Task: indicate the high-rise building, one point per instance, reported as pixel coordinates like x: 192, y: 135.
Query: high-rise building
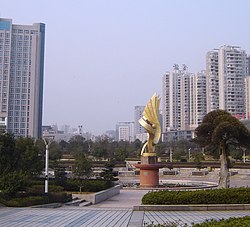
x: 200, y: 97
x: 125, y: 131
x: 139, y: 131
x: 137, y: 115
x: 183, y: 100
x: 226, y: 73
x: 212, y: 70
x: 177, y: 100
x: 21, y: 77
x: 247, y: 97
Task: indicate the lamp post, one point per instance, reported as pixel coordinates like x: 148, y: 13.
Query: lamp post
x: 189, y: 154
x: 171, y: 155
x: 244, y: 155
x: 47, y: 142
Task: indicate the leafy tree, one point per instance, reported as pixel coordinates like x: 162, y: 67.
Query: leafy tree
x: 9, y: 155
x: 108, y: 173
x: 104, y: 148
x: 12, y: 182
x: 19, y: 155
x: 30, y: 160
x: 120, y: 154
x: 82, y: 167
x: 55, y: 152
x: 220, y: 131
x: 63, y: 145
x: 60, y: 175
x: 78, y: 145
x: 20, y: 159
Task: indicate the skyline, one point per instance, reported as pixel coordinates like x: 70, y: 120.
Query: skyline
x: 97, y: 53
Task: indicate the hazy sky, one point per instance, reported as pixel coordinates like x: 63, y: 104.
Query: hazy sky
x: 104, y: 57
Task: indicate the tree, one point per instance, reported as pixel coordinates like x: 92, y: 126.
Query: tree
x: 78, y: 144
x: 19, y: 154
x: 30, y: 159
x: 82, y: 167
x: 220, y: 131
x: 20, y: 159
x: 13, y: 182
x: 9, y: 155
x: 108, y: 173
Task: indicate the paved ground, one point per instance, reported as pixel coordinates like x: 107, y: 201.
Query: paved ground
x: 114, y: 212
x: 104, y: 217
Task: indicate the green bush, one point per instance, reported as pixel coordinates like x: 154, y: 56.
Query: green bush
x: 70, y: 185
x: 39, y: 189
x: 59, y: 197
x: 231, y: 222
x: 215, y: 196
x: 95, y: 185
x: 13, y: 182
x: 86, y: 185
x: 27, y: 201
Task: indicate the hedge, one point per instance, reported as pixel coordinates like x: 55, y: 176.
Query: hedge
x: 231, y: 222
x: 86, y: 185
x: 214, y: 196
x: 26, y: 199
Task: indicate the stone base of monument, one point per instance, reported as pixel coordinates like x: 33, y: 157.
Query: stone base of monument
x: 149, y: 171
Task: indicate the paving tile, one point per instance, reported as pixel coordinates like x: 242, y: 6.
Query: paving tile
x: 104, y: 217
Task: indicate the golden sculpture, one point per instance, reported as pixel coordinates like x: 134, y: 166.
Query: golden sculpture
x: 150, y: 121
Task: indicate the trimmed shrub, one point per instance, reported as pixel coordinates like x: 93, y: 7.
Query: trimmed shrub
x: 231, y: 222
x: 95, y: 185
x: 27, y: 201
x: 86, y: 185
x: 59, y: 197
x: 215, y: 196
x: 39, y: 189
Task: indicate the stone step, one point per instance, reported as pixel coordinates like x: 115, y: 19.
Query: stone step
x: 75, y: 202
x: 86, y: 203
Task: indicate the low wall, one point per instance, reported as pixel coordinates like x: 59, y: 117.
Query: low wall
x: 99, y: 196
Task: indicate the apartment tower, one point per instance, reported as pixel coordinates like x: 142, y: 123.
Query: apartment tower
x: 21, y: 77
x: 183, y: 100
x: 226, y: 73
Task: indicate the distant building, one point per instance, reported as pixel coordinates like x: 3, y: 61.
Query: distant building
x: 183, y: 100
x: 21, y: 77
x: 111, y: 134
x: 247, y: 97
x: 188, y: 97
x: 226, y: 73
x: 138, y: 111
x: 141, y: 136
x: 178, y: 135
x: 139, y: 131
x: 49, y: 131
x: 125, y: 131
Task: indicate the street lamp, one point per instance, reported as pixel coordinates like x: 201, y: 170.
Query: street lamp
x: 244, y: 155
x: 171, y: 155
x: 189, y: 154
x: 47, y: 142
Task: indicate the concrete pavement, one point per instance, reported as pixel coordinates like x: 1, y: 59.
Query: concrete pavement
x: 114, y: 212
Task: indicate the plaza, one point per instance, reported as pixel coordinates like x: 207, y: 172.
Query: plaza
x: 109, y: 216
x: 116, y: 211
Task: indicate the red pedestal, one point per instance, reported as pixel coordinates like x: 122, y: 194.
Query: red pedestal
x: 149, y: 175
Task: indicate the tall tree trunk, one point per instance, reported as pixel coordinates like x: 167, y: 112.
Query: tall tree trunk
x: 224, y: 170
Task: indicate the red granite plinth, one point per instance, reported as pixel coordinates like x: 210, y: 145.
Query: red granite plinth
x: 149, y: 175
